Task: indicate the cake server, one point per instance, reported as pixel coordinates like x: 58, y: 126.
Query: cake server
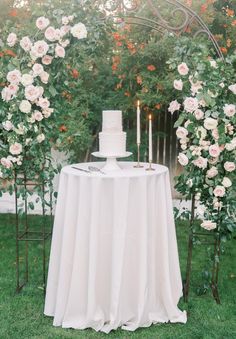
x: 95, y: 169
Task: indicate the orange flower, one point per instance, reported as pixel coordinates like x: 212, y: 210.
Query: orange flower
x: 233, y: 23
x: 75, y: 73
x: 127, y: 94
x: 158, y: 106
x: 13, y: 12
x: 151, y: 68
x: 229, y: 43
x: 229, y: 12
x: 62, y: 128
x: 139, y: 79
x: 117, y: 36
x: 10, y: 53
x: 114, y: 67
x: 203, y: 8
x: 224, y: 50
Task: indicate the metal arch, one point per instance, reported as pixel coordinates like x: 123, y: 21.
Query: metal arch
x: 129, y: 10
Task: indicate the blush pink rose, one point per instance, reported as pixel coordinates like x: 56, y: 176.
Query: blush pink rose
x: 229, y: 166
x: 6, y: 163
x: 14, y: 77
x: 174, y: 106
x: 43, y: 103
x: 64, y: 30
x: 181, y: 132
x: 13, y: 89
x: 50, y: 33
x: 208, y: 225
x: 219, y: 191
x: 59, y: 51
x: 183, y: 69
x: 44, y: 77
x: 37, y: 116
x: 42, y: 22
x: 47, y: 59
x: 232, y: 88
x: 200, y: 162
x: 191, y: 104
x: 183, y: 159
x: 32, y: 92
x: 15, y: 148
x: 178, y: 84
x: 229, y: 110
x: 199, y: 114
x: 26, y: 44
x: 215, y: 134
x: 37, y: 69
x: 212, y: 172
x: 6, y: 94
x: 11, y: 39
x: 39, y: 49
x: 214, y: 150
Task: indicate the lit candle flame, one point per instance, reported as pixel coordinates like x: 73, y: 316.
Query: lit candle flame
x: 150, y: 117
x: 138, y: 103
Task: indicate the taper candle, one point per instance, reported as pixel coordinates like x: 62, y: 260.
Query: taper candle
x: 150, y: 138
x: 138, y: 122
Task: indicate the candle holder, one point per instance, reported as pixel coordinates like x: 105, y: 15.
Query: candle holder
x: 150, y: 168
x: 138, y: 163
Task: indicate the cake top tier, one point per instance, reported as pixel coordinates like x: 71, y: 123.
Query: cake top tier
x: 112, y: 121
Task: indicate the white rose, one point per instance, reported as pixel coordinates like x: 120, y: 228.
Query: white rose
x: 213, y: 64
x: 39, y: 49
x: 200, y: 162
x: 42, y: 23
x: 59, y: 51
x: 14, y: 76
x: 219, y: 191
x: 229, y: 110
x: 27, y: 79
x: 25, y: 106
x: 26, y: 43
x: 183, y: 69
x: 208, y: 225
x: 210, y: 123
x: 79, y: 31
x: 7, y: 125
x: 32, y: 92
x: 183, y: 159
x: 232, y: 88
x: 37, y: 69
x: 28, y: 141
x: 222, y: 85
x: 11, y: 39
x: 174, y: 106
x: 50, y: 33
x: 212, y: 172
x: 181, y: 132
x: 178, y: 84
x: 40, y: 138
x: 199, y: 114
x: 229, y: 166
x: 47, y: 59
x: 6, y: 163
x: 15, y: 148
x: 44, y: 77
x: 226, y: 182
x: 190, y: 104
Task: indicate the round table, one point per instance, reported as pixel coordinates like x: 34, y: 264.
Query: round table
x: 114, y: 258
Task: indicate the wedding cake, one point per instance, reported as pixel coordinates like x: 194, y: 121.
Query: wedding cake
x: 112, y: 139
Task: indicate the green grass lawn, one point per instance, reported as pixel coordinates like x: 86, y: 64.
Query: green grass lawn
x: 21, y: 315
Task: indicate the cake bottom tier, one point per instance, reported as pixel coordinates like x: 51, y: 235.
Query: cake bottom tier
x: 112, y: 144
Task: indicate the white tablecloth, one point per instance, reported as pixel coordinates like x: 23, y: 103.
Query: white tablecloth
x: 114, y: 258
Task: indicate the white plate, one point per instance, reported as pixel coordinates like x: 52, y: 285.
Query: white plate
x: 99, y: 155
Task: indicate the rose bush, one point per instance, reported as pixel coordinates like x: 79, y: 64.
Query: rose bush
x: 207, y: 134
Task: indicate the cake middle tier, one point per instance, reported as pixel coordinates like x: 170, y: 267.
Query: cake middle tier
x: 112, y: 144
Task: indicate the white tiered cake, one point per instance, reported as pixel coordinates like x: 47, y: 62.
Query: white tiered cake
x: 112, y: 139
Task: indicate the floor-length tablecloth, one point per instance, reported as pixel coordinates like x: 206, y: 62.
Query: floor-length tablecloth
x: 114, y: 259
